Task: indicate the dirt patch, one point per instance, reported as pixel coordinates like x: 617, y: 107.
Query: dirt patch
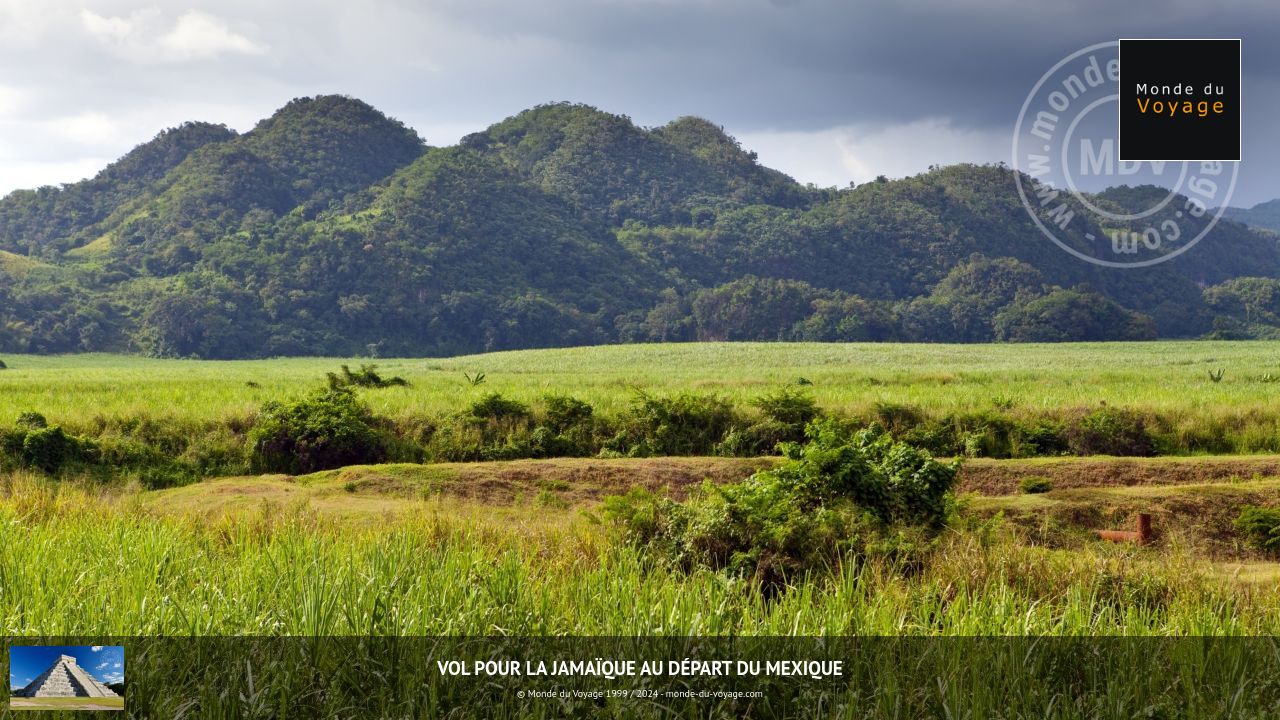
x: 589, y: 480
x: 1001, y: 477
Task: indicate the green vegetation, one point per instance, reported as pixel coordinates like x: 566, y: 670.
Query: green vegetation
x: 1035, y: 484
x: 1261, y: 526
x: 33, y: 443
x: 411, y: 566
x: 166, y: 422
x: 330, y: 229
x: 325, y: 430
x: 366, y: 377
x: 838, y: 496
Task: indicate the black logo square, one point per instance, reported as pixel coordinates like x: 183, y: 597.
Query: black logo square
x: 1179, y: 100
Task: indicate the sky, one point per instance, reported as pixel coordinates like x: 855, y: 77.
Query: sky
x: 829, y: 91
x: 104, y: 662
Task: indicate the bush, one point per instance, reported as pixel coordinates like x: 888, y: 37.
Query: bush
x: 1043, y: 436
x: 985, y: 434
x: 565, y: 413
x: 786, y: 413
x: 1109, y: 431
x: 898, y: 417
x: 761, y: 438
x: 3, y: 366
x: 328, y: 429
x: 32, y: 420
x: 495, y: 407
x: 50, y: 448
x: 33, y: 443
x: 1035, y: 484
x: 11, y: 446
x: 684, y: 424
x: 840, y: 492
x: 366, y: 377
x: 789, y: 407
x: 1260, y: 527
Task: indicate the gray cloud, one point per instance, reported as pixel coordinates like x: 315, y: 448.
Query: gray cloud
x: 829, y: 79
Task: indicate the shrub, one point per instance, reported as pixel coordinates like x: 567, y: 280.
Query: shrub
x: 32, y: 420
x: 1035, y: 484
x: 1260, y: 527
x: 1043, y: 436
x: 684, y: 424
x: 760, y: 438
x: 544, y: 442
x: 565, y: 413
x: 366, y: 376
x: 328, y: 429
x: 11, y: 446
x: 837, y: 493
x: 785, y: 415
x: 495, y: 407
x: 1109, y: 431
x: 153, y: 467
x: 3, y: 366
x: 492, y: 428
x: 936, y: 436
x: 898, y: 417
x: 984, y: 434
x: 788, y: 406
x: 49, y: 448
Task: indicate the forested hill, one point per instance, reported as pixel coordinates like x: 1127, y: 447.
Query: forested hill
x: 331, y: 229
x: 1264, y: 215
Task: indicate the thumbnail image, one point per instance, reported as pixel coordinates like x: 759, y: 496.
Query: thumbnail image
x: 66, y: 677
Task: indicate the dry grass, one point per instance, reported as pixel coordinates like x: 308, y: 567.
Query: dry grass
x: 1001, y: 477
x: 1194, y: 519
x: 376, y: 489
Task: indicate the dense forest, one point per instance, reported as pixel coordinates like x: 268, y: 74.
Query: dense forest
x: 331, y: 229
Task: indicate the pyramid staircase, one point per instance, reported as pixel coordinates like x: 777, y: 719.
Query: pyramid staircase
x: 65, y: 678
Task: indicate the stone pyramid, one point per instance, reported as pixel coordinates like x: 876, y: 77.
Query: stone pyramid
x: 65, y: 678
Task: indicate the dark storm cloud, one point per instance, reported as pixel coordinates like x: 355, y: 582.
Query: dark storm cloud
x: 87, y: 79
x: 810, y: 65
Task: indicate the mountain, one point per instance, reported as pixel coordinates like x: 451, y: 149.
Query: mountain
x: 330, y: 228
x: 31, y: 220
x: 1263, y: 215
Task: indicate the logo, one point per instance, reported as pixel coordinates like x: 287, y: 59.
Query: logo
x: 1180, y: 99
x: 1101, y: 209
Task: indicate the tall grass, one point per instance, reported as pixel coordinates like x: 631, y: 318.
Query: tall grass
x: 76, y: 562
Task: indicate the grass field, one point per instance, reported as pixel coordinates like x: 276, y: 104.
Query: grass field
x: 169, y: 563
x: 1172, y: 377
x: 519, y: 548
